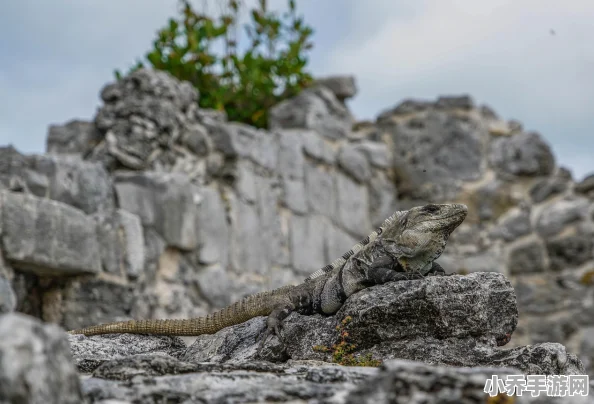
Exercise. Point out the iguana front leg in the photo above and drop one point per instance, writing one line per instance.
(274, 323)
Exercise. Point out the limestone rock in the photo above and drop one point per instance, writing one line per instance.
(315, 108)
(524, 154)
(73, 137)
(25, 223)
(166, 202)
(35, 363)
(343, 87)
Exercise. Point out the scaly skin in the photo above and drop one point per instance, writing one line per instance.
(404, 248)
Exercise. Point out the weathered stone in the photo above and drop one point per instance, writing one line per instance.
(84, 185)
(524, 154)
(265, 152)
(195, 138)
(246, 248)
(26, 223)
(400, 381)
(320, 189)
(482, 261)
(214, 383)
(73, 137)
(165, 201)
(307, 243)
(315, 108)
(213, 230)
(587, 349)
(377, 153)
(570, 251)
(343, 87)
(586, 185)
(111, 240)
(526, 257)
(337, 242)
(134, 254)
(512, 225)
(290, 154)
(7, 296)
(557, 215)
(234, 139)
(316, 147)
(544, 296)
(434, 152)
(383, 198)
(552, 186)
(294, 196)
(13, 166)
(490, 200)
(246, 181)
(215, 285)
(95, 301)
(271, 233)
(35, 363)
(354, 163)
(88, 353)
(454, 102)
(352, 206)
(406, 107)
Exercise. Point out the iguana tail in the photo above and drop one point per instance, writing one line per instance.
(259, 304)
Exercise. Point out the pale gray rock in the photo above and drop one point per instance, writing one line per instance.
(271, 234)
(95, 301)
(585, 186)
(307, 243)
(167, 202)
(290, 154)
(213, 230)
(316, 147)
(84, 185)
(88, 353)
(554, 217)
(383, 198)
(514, 224)
(343, 87)
(7, 296)
(526, 257)
(25, 223)
(73, 137)
(315, 108)
(294, 196)
(352, 206)
(433, 152)
(523, 154)
(354, 162)
(245, 247)
(35, 363)
(570, 251)
(320, 189)
(549, 187)
(377, 153)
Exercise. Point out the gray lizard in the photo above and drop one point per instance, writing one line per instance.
(405, 247)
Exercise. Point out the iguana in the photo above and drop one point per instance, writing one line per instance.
(404, 247)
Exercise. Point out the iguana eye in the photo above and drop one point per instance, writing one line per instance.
(430, 208)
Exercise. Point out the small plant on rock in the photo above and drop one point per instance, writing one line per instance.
(342, 351)
(204, 50)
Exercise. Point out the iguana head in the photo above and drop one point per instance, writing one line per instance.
(418, 236)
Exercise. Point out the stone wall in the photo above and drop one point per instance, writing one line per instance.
(160, 209)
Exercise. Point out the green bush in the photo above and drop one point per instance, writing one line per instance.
(245, 84)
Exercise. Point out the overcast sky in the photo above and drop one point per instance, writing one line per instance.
(530, 60)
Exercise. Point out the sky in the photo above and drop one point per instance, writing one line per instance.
(530, 60)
